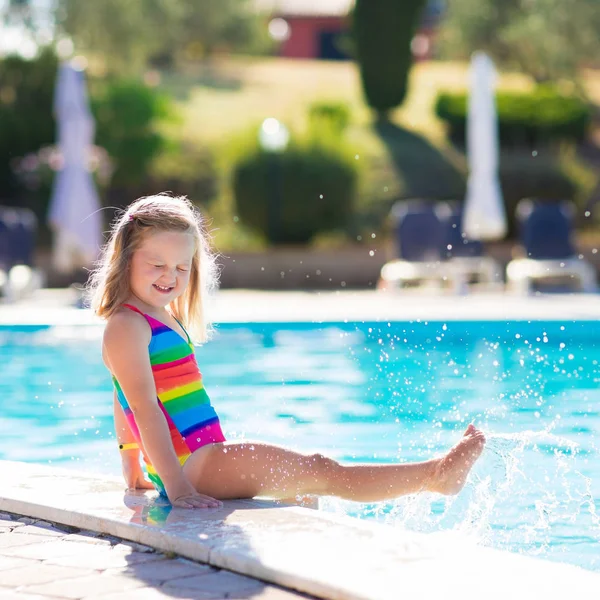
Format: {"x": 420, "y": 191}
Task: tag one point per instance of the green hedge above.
{"x": 525, "y": 120}
{"x": 313, "y": 185}
{"x": 126, "y": 115}
{"x": 333, "y": 116}
{"x": 26, "y": 119}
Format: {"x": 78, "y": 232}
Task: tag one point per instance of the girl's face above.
{"x": 160, "y": 267}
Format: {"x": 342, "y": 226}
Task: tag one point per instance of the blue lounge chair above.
{"x": 466, "y": 259}
{"x": 546, "y": 230}
{"x": 5, "y": 242}
{"x": 418, "y": 235}
{"x": 18, "y": 228}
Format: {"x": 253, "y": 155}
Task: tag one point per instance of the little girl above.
{"x": 150, "y": 287}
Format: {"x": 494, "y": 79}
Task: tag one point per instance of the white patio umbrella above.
{"x": 74, "y": 204}
{"x": 484, "y": 216}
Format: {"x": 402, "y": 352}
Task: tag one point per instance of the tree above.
{"x": 207, "y": 26}
{"x": 383, "y": 31}
{"x": 547, "y": 39}
{"x": 124, "y": 34}
{"x": 127, "y": 35}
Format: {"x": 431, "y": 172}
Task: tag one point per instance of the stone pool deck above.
{"x": 133, "y": 546}
{"x": 44, "y": 560}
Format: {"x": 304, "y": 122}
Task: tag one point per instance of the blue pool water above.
{"x": 380, "y": 392}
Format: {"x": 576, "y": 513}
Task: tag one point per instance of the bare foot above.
{"x": 451, "y": 471}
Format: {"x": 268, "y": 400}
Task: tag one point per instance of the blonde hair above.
{"x": 109, "y": 286}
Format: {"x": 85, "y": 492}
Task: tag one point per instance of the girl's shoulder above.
{"x": 125, "y": 323}
{"x": 127, "y": 334}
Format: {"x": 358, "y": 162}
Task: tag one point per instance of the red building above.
{"x": 319, "y": 28}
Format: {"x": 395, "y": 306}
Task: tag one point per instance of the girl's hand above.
{"x": 184, "y": 495}
{"x": 134, "y": 476}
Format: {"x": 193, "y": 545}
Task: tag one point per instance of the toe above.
{"x": 470, "y": 429}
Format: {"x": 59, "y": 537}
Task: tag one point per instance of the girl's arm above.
{"x": 125, "y": 349}
{"x": 130, "y": 458}
{"x": 123, "y": 431}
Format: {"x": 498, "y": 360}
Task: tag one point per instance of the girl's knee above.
{"x": 324, "y": 468}
{"x": 322, "y": 461}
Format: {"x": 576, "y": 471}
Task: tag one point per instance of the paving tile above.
{"x": 39, "y": 573}
{"x": 268, "y": 593}
{"x": 11, "y": 562}
{"x": 220, "y": 582}
{"x": 164, "y": 570}
{"x": 47, "y": 549}
{"x": 87, "y": 537}
{"x": 79, "y": 587}
{"x": 100, "y": 557}
{"x": 10, "y": 540}
{"x": 112, "y": 539}
{"x": 46, "y": 530}
{"x": 126, "y": 545}
{"x": 10, "y": 594}
{"x": 8, "y": 524}
{"x": 148, "y": 593}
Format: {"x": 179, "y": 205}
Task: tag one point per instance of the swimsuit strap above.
{"x": 183, "y": 328}
{"x": 135, "y": 309}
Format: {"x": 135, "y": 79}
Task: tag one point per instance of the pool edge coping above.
{"x": 220, "y": 555}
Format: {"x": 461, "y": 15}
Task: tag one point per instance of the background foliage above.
{"x": 128, "y": 36}
{"x": 383, "y": 30}
{"x": 547, "y": 39}
{"x": 525, "y": 120}
{"x": 26, "y": 121}
{"x": 308, "y": 188}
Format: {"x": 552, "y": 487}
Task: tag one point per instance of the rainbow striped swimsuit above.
{"x": 192, "y": 421}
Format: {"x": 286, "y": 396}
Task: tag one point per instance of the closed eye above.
{"x": 182, "y": 270}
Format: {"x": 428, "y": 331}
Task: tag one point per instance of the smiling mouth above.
{"x": 162, "y": 289}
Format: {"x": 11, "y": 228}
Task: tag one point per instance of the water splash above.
{"x": 534, "y": 469}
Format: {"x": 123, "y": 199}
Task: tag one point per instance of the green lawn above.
{"x": 235, "y": 93}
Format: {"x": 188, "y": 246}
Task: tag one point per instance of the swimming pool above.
{"x": 363, "y": 392}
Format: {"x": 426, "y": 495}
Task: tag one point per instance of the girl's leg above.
{"x": 244, "y": 470}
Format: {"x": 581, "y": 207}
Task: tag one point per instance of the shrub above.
{"x": 186, "y": 169}
{"x": 289, "y": 197}
{"x": 530, "y": 120}
{"x": 333, "y": 116}
{"x": 26, "y": 120}
{"x": 127, "y": 113}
